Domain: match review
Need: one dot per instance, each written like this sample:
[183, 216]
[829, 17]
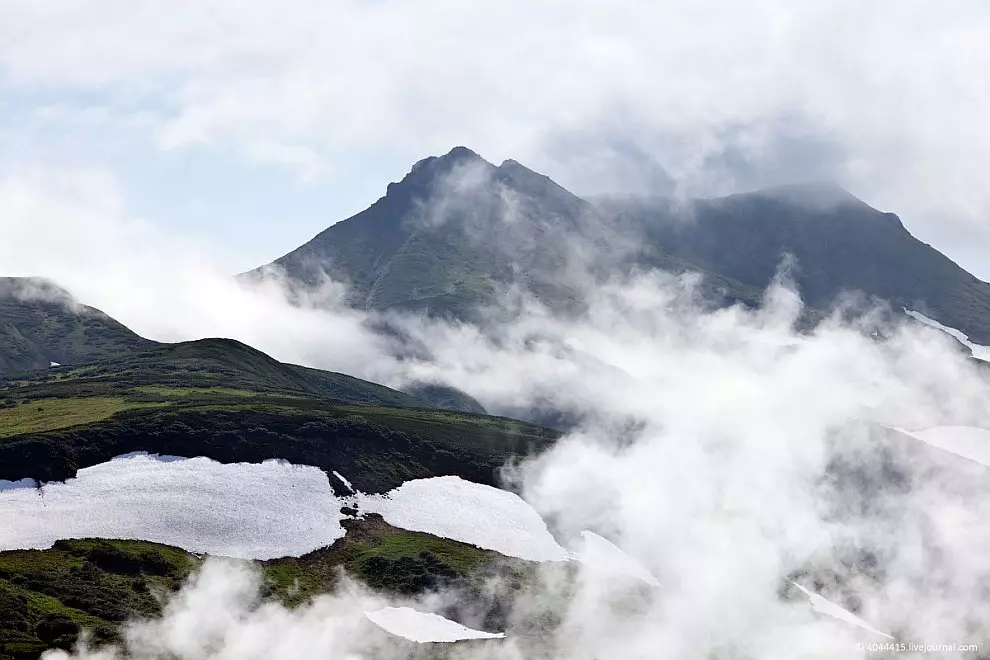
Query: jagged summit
[457, 230]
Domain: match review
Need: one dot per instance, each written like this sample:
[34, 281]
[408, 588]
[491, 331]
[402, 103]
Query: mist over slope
[729, 455]
[41, 323]
[730, 449]
[458, 233]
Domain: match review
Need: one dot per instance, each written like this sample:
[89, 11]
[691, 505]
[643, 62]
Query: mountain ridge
[505, 226]
[41, 323]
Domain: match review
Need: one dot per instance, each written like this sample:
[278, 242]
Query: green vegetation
[47, 414]
[47, 597]
[226, 401]
[222, 366]
[383, 557]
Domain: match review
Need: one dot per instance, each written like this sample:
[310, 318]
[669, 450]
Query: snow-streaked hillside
[979, 352]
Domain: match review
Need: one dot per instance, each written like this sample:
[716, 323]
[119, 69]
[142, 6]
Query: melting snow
[424, 627]
[468, 512]
[828, 608]
[967, 441]
[343, 480]
[979, 352]
[250, 511]
[11, 485]
[602, 555]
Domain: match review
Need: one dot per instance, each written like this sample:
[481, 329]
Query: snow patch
[53, 364]
[979, 352]
[828, 608]
[343, 480]
[424, 627]
[969, 442]
[468, 512]
[243, 510]
[23, 483]
[602, 555]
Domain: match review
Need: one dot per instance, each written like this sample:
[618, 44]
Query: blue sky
[248, 127]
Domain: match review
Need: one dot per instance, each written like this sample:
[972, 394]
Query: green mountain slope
[449, 236]
[41, 323]
[839, 244]
[457, 229]
[208, 363]
[229, 402]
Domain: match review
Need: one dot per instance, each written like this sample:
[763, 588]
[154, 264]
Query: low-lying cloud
[725, 451]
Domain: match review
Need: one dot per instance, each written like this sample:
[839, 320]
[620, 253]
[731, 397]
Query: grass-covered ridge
[204, 364]
[39, 415]
[231, 403]
[48, 597]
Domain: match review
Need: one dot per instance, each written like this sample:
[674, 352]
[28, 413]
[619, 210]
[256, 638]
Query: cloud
[723, 450]
[73, 227]
[220, 614]
[884, 98]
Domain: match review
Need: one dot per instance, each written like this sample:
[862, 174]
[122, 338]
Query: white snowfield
[255, 511]
[967, 441]
[464, 511]
[424, 627]
[824, 606]
[601, 555]
[243, 510]
[979, 352]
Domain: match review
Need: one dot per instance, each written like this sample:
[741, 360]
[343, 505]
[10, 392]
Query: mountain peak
[461, 153]
[816, 193]
[431, 167]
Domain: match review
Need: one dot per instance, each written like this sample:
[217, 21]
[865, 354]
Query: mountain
[449, 236]
[224, 400]
[41, 323]
[838, 243]
[458, 230]
[206, 364]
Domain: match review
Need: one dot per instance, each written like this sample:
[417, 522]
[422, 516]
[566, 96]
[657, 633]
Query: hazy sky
[247, 127]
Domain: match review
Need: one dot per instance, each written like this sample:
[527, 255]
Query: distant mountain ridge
[838, 243]
[41, 323]
[457, 230]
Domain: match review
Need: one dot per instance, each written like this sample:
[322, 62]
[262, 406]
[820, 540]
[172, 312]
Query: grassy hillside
[47, 597]
[41, 323]
[209, 364]
[226, 401]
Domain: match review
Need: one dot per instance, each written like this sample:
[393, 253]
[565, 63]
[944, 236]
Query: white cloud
[884, 97]
[713, 448]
